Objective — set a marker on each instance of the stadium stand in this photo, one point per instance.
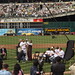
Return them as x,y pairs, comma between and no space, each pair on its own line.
36,10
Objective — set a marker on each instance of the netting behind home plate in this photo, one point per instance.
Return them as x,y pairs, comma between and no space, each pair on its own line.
40,35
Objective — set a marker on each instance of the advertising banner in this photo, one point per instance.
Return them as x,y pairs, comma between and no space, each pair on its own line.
29,31
20,20
37,20
7,31
58,29
16,20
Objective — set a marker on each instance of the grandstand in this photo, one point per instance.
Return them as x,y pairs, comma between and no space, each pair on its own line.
37,10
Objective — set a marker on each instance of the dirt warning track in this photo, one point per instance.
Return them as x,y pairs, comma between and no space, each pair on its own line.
13,46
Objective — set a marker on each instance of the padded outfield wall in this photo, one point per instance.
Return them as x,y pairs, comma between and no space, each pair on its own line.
59,26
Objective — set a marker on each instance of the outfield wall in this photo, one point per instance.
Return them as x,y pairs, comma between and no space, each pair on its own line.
39,28
59,26
21,31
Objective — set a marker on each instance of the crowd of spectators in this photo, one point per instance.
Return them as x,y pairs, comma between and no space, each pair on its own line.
35,9
19,1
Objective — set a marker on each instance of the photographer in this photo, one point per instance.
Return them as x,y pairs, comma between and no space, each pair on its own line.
41,63
37,68
1,63
34,69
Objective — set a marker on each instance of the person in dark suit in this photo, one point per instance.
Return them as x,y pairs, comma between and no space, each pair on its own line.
58,67
29,50
34,68
3,52
1,63
18,48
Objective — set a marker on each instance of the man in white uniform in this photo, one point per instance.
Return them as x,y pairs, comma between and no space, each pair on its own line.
61,53
56,50
26,45
48,54
23,46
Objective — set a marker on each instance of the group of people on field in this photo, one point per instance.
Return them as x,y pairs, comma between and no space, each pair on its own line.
57,68
55,55
52,53
24,50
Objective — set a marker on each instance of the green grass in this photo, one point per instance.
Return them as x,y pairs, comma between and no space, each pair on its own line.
36,40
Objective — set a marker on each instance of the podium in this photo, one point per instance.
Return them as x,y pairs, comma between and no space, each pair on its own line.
29,52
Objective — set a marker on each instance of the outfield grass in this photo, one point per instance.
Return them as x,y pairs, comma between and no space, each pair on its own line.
36,40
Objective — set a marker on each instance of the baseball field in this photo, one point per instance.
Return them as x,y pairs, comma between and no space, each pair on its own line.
40,43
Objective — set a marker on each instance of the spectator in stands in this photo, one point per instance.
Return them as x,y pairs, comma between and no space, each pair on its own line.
4,70
33,10
3,52
58,68
17,70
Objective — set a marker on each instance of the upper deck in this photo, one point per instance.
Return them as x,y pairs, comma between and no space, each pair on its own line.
28,11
